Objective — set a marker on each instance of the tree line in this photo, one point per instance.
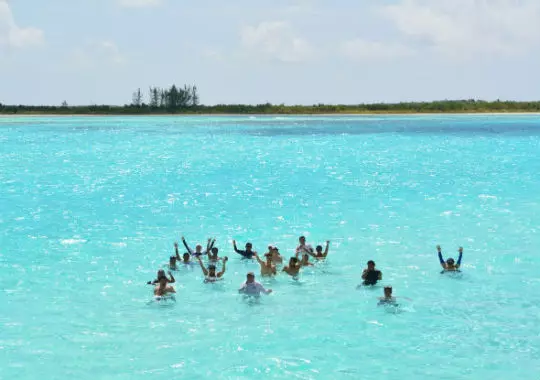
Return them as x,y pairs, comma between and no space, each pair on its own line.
186,100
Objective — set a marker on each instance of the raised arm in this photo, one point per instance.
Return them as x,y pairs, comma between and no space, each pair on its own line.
205,271
223,268
459,258
176,251
325,253
171,280
441,260
258,258
239,251
187,246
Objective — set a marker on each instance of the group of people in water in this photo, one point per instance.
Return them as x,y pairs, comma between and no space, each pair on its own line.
268,266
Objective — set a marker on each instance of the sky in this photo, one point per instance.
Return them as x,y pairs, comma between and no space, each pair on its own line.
277,51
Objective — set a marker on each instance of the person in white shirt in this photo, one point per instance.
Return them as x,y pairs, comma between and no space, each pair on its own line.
252,287
303,247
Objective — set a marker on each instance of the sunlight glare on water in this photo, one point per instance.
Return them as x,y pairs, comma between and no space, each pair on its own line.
91,207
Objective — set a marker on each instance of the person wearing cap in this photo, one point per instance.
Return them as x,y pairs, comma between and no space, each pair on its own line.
274,252
449,265
210,274
267,267
252,287
303,247
248,253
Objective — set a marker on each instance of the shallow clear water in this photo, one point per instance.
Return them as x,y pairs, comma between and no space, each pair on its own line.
91,207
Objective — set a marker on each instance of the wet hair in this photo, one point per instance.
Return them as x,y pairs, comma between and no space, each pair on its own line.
172,258
371,262
211,266
388,287
248,244
302,237
450,261
318,248
214,251
294,260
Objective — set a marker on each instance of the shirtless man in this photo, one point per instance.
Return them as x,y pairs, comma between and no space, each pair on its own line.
319,254
305,261
267,267
303,247
293,268
388,299
449,265
162,288
210,274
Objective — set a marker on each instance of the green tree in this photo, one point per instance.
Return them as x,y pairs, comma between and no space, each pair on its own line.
137,98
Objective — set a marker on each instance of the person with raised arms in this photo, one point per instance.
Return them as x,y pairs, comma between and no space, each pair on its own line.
319,254
198,247
449,265
303,247
267,267
161,288
210,274
252,287
248,253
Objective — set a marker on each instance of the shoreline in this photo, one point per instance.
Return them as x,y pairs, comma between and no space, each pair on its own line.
517,113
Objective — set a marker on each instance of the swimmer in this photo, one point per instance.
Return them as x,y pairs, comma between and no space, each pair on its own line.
248,253
186,259
213,255
252,287
162,288
305,261
388,299
267,267
210,274
319,254
172,263
274,252
293,268
303,247
449,265
371,275
198,248
160,274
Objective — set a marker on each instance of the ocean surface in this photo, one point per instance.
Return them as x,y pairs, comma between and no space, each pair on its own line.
90,208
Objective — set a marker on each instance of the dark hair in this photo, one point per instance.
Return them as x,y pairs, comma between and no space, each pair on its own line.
294,259
388,287
214,250
248,243
211,266
371,262
318,248
302,237
172,258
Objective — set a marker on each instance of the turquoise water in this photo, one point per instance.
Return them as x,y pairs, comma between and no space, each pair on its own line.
91,207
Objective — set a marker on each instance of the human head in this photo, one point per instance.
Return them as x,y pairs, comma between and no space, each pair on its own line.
388,291
293,261
212,270
198,248
450,262
305,258
172,261
186,256
318,249
250,277
371,265
161,274
302,240
248,246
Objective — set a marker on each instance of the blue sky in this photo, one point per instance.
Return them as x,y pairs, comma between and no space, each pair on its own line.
279,51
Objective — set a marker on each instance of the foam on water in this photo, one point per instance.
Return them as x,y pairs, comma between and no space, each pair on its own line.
91,207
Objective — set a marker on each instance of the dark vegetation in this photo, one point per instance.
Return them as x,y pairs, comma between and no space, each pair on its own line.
185,100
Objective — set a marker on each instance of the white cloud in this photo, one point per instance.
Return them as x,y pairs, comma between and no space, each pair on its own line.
275,40
13,35
364,50
139,3
465,28
96,54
